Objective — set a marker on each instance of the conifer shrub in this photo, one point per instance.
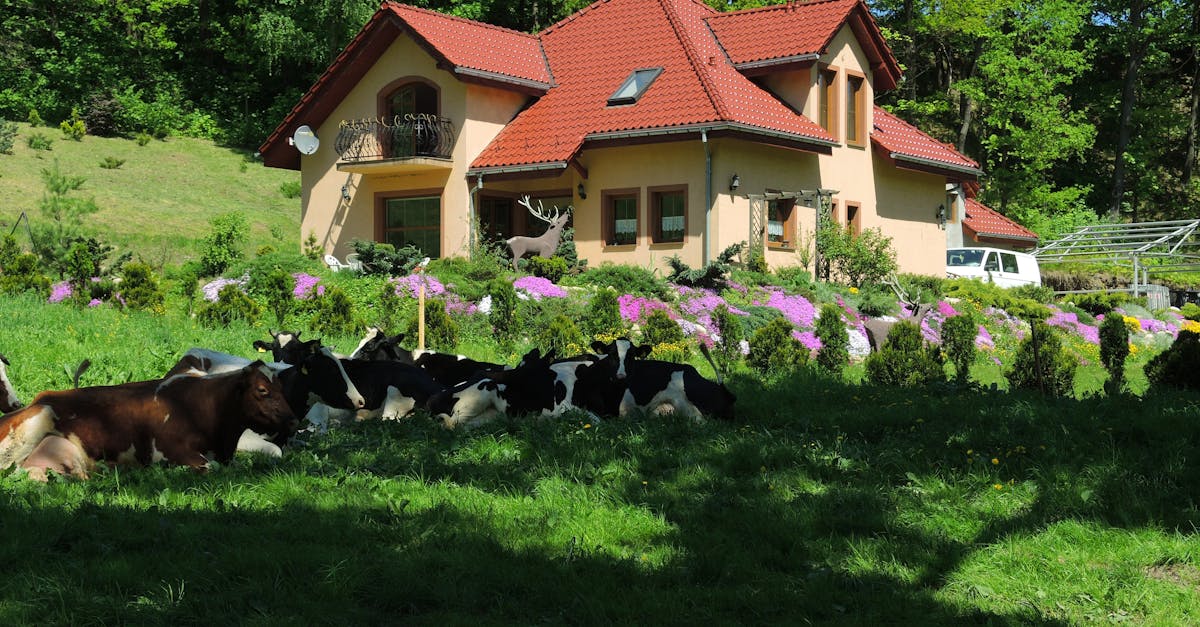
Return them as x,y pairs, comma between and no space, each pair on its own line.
665,337
834,354
958,341
8,136
773,349
441,331
603,318
223,244
1191,311
20,272
503,315
35,119
278,286
905,359
231,304
1177,366
626,279
551,269
1042,364
333,314
312,248
74,128
39,141
1114,348
727,350
387,310
561,336
140,288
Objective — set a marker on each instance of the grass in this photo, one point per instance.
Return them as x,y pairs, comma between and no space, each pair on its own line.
826,502
158,203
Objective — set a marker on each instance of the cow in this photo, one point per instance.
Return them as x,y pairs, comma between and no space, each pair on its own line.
8,396
654,386
390,389
445,368
184,420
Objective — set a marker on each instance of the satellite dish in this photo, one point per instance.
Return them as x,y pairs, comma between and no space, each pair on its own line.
305,140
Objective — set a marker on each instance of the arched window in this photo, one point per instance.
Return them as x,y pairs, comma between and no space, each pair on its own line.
399,106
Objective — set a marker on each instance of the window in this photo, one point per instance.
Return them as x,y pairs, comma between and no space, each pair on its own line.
495,217
781,227
409,98
535,226
413,221
620,217
827,105
856,113
632,89
668,214
852,217
1008,262
991,264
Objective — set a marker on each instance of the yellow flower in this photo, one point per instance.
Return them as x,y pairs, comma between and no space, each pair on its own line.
854,290
587,426
999,486
995,461
1132,324
970,450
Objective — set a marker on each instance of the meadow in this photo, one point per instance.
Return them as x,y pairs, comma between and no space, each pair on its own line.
828,501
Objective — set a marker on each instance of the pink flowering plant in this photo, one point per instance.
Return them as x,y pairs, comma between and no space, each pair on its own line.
410,285
538,288
307,286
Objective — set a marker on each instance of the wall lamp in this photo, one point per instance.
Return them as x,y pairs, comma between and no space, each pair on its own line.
735,182
941,216
582,192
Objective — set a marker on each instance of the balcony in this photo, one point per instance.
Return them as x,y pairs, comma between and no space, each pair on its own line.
416,142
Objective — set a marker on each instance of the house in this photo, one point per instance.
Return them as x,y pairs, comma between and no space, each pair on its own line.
668,127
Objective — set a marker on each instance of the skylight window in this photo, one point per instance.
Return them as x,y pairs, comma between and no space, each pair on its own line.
634,86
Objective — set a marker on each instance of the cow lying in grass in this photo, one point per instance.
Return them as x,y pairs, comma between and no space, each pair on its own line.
444,368
8,396
185,420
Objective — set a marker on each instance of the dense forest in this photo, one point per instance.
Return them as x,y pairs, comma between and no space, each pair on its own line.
1075,110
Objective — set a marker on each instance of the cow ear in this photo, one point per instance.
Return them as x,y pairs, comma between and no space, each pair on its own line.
643,351
262,346
599,347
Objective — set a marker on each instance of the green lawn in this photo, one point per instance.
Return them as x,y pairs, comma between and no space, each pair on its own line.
159,202
825,502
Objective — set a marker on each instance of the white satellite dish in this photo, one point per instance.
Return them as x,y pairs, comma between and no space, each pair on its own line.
305,140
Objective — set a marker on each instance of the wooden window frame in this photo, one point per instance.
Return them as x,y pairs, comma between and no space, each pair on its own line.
382,97
828,95
858,121
381,199
654,194
789,226
853,217
607,226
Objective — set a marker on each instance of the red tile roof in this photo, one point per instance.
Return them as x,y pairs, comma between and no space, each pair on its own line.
983,222
786,32
912,148
470,45
591,54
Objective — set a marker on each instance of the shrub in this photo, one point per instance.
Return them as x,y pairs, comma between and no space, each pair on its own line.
560,336
188,286
834,354
990,295
905,360
1098,303
794,277
112,163
626,279
503,314
659,328
143,138
1042,364
714,275
551,269
8,136
334,314
20,272
729,346
858,259
757,263
223,244
441,331
773,349
102,115
290,189
1114,348
74,128
38,141
1036,293
1191,311
603,317
35,119
958,340
385,259
875,300
1177,366
278,286
140,289
312,248
231,304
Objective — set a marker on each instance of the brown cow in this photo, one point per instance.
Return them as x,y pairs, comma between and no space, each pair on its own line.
184,420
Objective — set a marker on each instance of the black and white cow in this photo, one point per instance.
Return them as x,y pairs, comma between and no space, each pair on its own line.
645,385
524,389
8,396
445,368
391,389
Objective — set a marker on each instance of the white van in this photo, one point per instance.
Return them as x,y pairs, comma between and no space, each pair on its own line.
1005,268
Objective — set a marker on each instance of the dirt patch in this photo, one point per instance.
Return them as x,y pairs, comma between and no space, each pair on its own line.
1185,575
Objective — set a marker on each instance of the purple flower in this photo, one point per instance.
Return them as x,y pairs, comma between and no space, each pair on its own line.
212,289
809,339
946,309
636,308
701,302
1152,325
411,284
537,288
59,292
455,305
304,285
983,339
1070,322
95,302
797,309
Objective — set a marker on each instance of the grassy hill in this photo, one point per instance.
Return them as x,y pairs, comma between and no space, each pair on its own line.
159,202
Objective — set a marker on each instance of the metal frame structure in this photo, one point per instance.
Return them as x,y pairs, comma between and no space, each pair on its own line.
1169,246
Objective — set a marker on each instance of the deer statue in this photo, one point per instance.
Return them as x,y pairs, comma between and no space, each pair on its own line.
547,243
878,328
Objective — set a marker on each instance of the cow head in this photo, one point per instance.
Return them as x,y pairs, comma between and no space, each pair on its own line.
327,379
285,347
617,354
8,396
263,404
378,346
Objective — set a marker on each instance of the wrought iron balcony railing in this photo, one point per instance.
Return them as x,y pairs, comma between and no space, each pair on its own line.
410,135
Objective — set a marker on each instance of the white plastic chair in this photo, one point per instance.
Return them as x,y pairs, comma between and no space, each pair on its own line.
335,264
353,263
